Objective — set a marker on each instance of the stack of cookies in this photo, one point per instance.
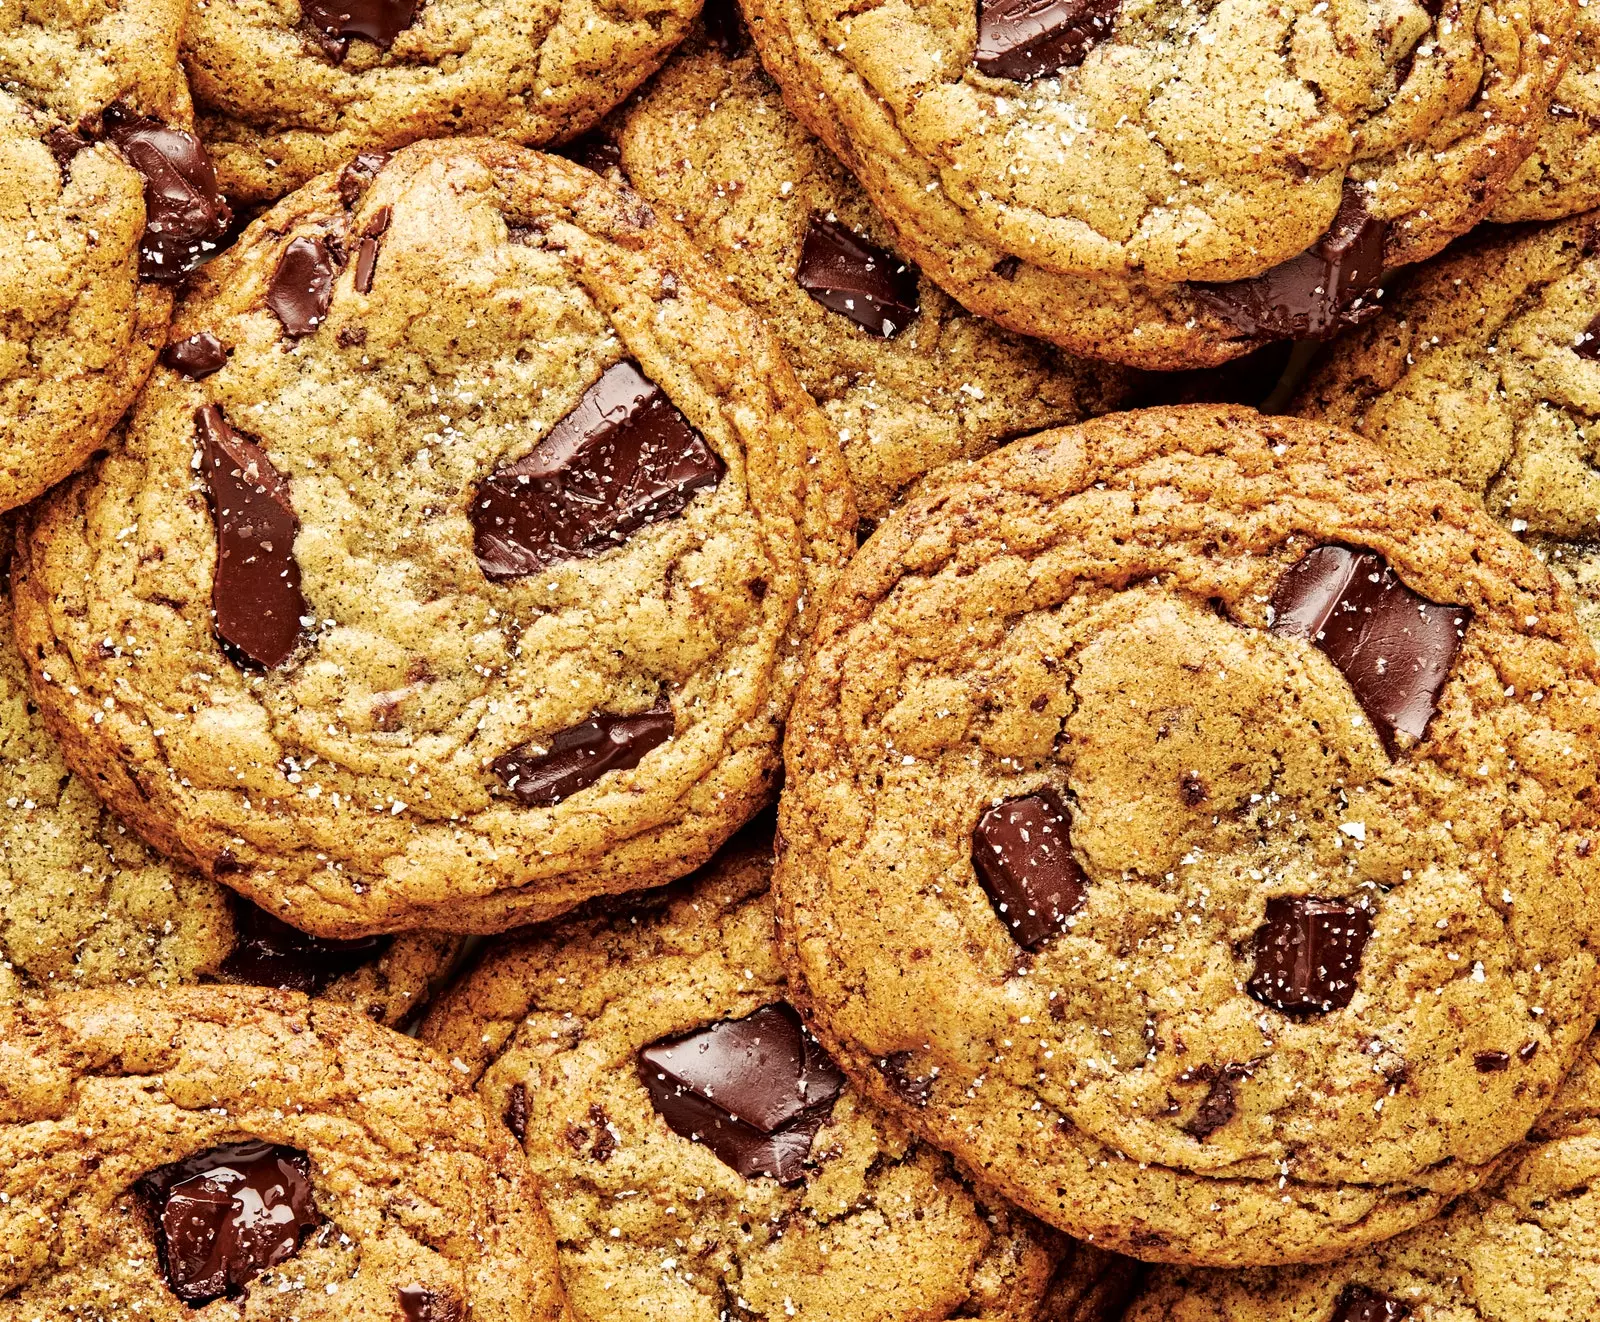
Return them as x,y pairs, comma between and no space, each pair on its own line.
866,662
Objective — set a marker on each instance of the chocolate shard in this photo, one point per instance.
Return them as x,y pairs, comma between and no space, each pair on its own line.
516,1114
845,273
897,1071
367,252
225,1215
1307,954
379,21
269,953
185,216
580,755
1219,1105
1023,855
64,145
429,1303
196,357
1333,283
1492,1062
356,177
1357,1303
1394,647
1588,345
623,458
302,286
255,594
754,1090
1025,39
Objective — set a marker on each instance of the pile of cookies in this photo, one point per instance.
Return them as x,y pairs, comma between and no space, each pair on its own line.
870,662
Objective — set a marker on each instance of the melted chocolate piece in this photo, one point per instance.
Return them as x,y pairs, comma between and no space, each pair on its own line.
1315,294
379,21
1218,1106
302,286
914,1088
367,252
225,1215
64,145
185,216
269,953
1023,856
1307,954
1492,1062
1024,39
1589,345
623,458
844,272
1359,1304
255,594
196,357
1395,648
425,1303
579,756
516,1116
355,178
754,1090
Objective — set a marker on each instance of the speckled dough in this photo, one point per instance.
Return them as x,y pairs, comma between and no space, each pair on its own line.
350,790
1194,143
275,110
1087,609
414,1183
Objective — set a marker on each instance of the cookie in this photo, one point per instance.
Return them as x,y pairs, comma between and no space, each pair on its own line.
1522,1249
163,1149
289,92
1177,807
700,1155
1085,172
457,567
106,199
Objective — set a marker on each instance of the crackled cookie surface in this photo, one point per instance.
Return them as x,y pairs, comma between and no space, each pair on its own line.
456,569
230,1153
289,91
105,201
1165,184
1188,824
700,1156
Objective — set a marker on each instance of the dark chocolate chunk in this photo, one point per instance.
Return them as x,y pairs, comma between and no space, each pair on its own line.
302,285
1492,1062
1307,954
1527,1051
1588,345
379,21
267,952
1359,1304
428,1303
623,458
1023,855
185,216
226,1214
1395,648
64,145
914,1088
516,1116
255,594
1333,283
355,177
367,252
580,755
1218,1106
196,357
754,1090
1024,39
844,272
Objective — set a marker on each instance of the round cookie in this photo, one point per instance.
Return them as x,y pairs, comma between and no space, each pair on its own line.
166,1150
1163,185
1522,1250
106,199
458,570
290,91
621,1048
1177,808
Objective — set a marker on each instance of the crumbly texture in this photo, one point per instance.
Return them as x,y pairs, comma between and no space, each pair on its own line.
1523,1251
79,331
1088,609
651,1225
350,790
710,143
1195,143
275,110
415,1183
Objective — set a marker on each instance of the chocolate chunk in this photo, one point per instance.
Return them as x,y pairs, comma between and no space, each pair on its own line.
516,1116
226,1214
1359,1304
359,174
64,145
196,357
1307,954
914,1088
580,755
379,21
844,272
255,594
623,458
754,1090
426,1303
269,953
1023,856
1395,648
1492,1062
1588,345
1218,1106
302,285
595,151
367,252
1024,39
185,216
1330,285
1527,1051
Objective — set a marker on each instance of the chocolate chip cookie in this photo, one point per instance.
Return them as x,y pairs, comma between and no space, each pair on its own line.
1166,185
457,566
287,92
1178,807
106,199
163,1149
700,1155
